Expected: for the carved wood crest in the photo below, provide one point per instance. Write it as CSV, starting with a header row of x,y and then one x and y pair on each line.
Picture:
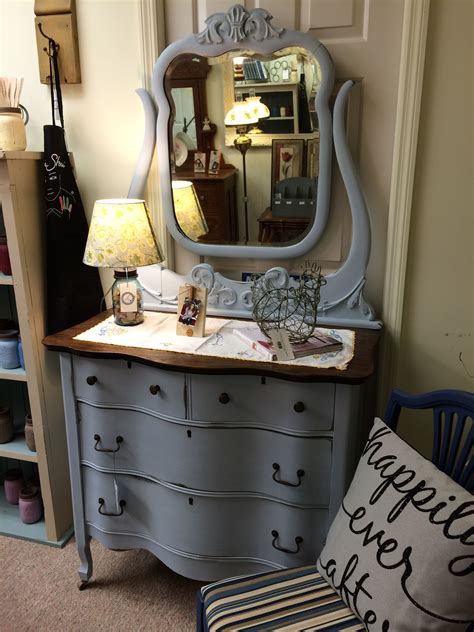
x,y
238,24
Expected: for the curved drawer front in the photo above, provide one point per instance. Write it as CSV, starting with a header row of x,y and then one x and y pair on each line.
x,y
275,403
129,384
291,468
221,526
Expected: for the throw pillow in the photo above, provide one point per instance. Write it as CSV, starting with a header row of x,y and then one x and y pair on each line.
x,y
399,551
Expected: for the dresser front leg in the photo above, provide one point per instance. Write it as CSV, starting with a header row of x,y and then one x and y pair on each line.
x,y
85,568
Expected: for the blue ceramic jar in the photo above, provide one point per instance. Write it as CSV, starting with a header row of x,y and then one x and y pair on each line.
x,y
20,353
9,358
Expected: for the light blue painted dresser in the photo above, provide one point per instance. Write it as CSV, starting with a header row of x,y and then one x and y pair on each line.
x,y
217,466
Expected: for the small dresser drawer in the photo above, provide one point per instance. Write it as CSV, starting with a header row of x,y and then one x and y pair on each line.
x,y
129,384
279,404
205,526
294,469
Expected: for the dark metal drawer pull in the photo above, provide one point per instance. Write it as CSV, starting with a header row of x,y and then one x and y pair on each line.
x,y
299,407
91,380
154,389
101,502
299,474
224,398
118,439
298,541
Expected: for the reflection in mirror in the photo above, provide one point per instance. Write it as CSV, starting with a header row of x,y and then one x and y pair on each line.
x,y
184,124
264,185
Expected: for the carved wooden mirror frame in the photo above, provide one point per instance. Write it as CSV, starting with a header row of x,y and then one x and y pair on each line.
x,y
342,301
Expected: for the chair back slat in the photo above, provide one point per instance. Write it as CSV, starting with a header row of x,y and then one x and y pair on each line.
x,y
453,436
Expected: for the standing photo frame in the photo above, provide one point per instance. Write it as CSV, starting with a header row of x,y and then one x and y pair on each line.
x,y
287,160
312,158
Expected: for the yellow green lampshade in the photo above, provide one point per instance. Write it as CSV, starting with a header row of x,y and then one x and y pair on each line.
x,y
121,235
188,211
259,109
241,114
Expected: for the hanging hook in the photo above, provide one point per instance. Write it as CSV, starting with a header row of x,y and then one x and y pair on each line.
x,y
52,42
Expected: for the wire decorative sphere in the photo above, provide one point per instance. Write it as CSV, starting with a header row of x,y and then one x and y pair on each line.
x,y
293,309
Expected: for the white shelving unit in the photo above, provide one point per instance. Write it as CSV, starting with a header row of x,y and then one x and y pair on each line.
x,y
23,218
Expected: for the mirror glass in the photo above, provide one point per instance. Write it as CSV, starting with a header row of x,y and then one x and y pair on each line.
x,y
184,124
250,180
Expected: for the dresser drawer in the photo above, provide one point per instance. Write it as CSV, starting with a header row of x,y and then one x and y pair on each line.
x,y
293,469
219,526
129,384
268,402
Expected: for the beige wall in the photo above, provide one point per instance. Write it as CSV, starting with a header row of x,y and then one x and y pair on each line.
x,y
439,301
103,117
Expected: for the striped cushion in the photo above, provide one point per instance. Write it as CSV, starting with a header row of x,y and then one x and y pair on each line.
x,y
294,599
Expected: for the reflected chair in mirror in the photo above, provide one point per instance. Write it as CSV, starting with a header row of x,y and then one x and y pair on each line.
x,y
293,206
435,500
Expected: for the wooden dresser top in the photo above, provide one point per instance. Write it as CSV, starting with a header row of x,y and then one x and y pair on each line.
x,y
360,368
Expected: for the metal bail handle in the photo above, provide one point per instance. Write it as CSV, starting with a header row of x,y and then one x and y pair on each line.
x,y
101,502
97,440
24,114
298,541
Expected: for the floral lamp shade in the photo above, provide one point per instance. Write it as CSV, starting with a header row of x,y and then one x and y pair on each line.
x,y
258,109
121,235
187,210
242,113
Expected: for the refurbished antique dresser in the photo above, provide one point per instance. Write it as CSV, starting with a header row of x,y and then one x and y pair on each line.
x,y
217,466
228,466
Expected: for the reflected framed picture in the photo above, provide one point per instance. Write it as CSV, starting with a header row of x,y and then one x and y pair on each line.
x,y
312,158
287,159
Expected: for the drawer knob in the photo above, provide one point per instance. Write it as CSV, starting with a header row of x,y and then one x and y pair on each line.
x,y
91,380
101,502
299,474
276,536
299,407
224,398
97,440
154,389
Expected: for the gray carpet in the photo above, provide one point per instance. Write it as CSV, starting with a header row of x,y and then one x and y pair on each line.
x,y
132,591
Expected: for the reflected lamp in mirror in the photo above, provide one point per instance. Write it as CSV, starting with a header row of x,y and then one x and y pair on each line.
x,y
121,236
188,210
240,116
259,109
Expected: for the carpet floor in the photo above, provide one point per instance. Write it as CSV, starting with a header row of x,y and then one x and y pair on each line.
x,y
131,591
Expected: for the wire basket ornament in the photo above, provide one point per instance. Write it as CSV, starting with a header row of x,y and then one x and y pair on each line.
x,y
291,308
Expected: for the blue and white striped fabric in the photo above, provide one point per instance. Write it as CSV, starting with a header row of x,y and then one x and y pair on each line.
x,y
291,600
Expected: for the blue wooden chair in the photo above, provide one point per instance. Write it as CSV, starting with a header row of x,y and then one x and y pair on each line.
x,y
300,598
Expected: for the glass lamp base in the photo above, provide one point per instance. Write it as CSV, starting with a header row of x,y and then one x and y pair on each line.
x,y
127,298
128,318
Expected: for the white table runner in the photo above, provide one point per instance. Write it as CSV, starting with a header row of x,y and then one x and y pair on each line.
x,y
159,332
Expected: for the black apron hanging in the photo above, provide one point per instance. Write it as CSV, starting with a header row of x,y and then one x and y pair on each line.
x,y
74,291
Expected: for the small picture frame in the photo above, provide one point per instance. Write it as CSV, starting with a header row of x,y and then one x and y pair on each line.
x,y
200,162
287,159
214,162
312,158
192,308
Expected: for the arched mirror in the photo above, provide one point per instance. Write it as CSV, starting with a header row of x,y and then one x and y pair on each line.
x,y
245,167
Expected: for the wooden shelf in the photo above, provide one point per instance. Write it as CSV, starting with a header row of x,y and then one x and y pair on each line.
x,y
17,449
11,525
17,375
23,220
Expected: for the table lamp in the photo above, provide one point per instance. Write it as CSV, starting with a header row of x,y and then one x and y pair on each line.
x,y
188,211
241,116
121,236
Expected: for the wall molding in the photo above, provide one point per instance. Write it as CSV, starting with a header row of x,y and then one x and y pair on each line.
x,y
412,62
151,24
